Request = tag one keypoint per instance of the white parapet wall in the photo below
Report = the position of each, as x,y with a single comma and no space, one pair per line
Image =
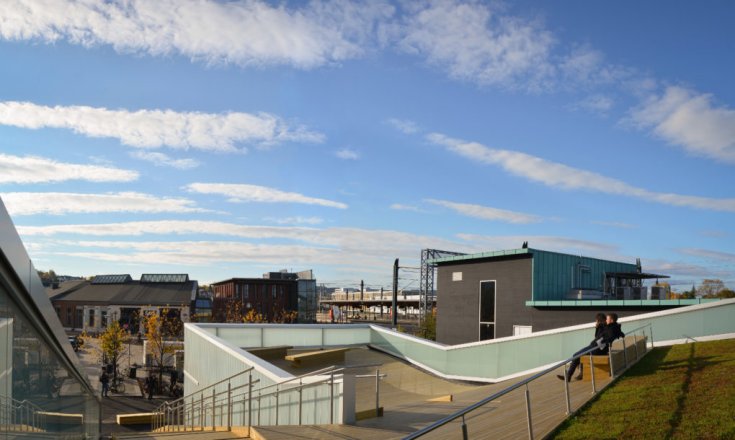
275,398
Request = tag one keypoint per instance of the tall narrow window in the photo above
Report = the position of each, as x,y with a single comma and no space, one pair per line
487,310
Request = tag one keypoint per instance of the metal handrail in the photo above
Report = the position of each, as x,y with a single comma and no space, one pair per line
483,402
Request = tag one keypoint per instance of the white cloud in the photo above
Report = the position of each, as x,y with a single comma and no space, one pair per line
264,244
254,193
486,212
726,257
34,169
689,119
164,160
246,33
55,203
296,220
557,175
347,154
403,125
157,128
473,43
401,207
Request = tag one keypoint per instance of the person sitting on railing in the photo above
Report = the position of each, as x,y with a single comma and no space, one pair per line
599,329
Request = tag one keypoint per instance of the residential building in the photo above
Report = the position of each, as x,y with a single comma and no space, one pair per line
270,296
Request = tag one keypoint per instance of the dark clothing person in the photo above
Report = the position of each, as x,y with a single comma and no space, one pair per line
105,381
599,330
150,383
610,332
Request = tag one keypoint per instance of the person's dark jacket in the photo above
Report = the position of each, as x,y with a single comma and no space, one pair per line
611,332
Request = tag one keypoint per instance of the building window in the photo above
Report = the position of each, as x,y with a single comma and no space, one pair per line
91,318
273,290
245,291
103,317
487,310
68,316
58,311
456,276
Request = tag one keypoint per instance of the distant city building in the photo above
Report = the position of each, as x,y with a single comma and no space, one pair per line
270,296
92,305
518,291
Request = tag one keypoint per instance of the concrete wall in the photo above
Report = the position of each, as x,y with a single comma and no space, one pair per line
458,302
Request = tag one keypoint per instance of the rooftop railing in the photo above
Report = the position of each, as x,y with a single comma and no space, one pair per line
21,416
614,357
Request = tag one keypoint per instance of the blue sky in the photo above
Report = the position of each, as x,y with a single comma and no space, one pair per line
226,139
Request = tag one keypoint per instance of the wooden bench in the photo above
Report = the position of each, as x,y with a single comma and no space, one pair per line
275,352
314,357
135,419
635,348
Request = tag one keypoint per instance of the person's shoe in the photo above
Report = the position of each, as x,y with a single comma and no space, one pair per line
560,377
579,376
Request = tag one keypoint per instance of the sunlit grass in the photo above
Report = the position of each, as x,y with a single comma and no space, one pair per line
684,391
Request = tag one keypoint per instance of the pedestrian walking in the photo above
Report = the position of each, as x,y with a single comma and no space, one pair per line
105,381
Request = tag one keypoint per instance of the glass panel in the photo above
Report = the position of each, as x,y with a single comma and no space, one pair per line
37,393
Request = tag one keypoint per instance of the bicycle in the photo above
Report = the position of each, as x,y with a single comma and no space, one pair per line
117,385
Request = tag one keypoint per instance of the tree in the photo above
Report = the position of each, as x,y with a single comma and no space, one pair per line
427,330
254,317
710,287
726,293
112,344
161,328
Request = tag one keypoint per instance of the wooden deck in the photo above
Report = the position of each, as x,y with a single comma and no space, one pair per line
504,418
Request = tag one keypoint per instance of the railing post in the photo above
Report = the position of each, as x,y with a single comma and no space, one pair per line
214,411
625,353
464,429
528,414
277,405
229,406
250,400
377,392
331,398
566,391
592,374
202,420
610,360
191,414
301,397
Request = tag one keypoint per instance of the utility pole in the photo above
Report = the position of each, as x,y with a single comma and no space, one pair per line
395,294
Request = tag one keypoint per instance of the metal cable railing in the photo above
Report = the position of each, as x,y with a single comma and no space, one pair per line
524,383
21,415
201,409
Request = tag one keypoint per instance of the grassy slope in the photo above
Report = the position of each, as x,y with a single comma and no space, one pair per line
683,391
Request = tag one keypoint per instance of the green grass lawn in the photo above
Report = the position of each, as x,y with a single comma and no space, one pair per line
681,392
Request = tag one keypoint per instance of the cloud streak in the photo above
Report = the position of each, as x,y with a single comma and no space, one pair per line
35,169
241,193
164,160
486,212
56,203
690,120
472,43
245,33
556,175
222,132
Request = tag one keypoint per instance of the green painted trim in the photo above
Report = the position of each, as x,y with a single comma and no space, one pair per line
481,255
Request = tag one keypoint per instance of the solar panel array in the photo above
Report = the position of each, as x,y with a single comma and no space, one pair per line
112,279
164,278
